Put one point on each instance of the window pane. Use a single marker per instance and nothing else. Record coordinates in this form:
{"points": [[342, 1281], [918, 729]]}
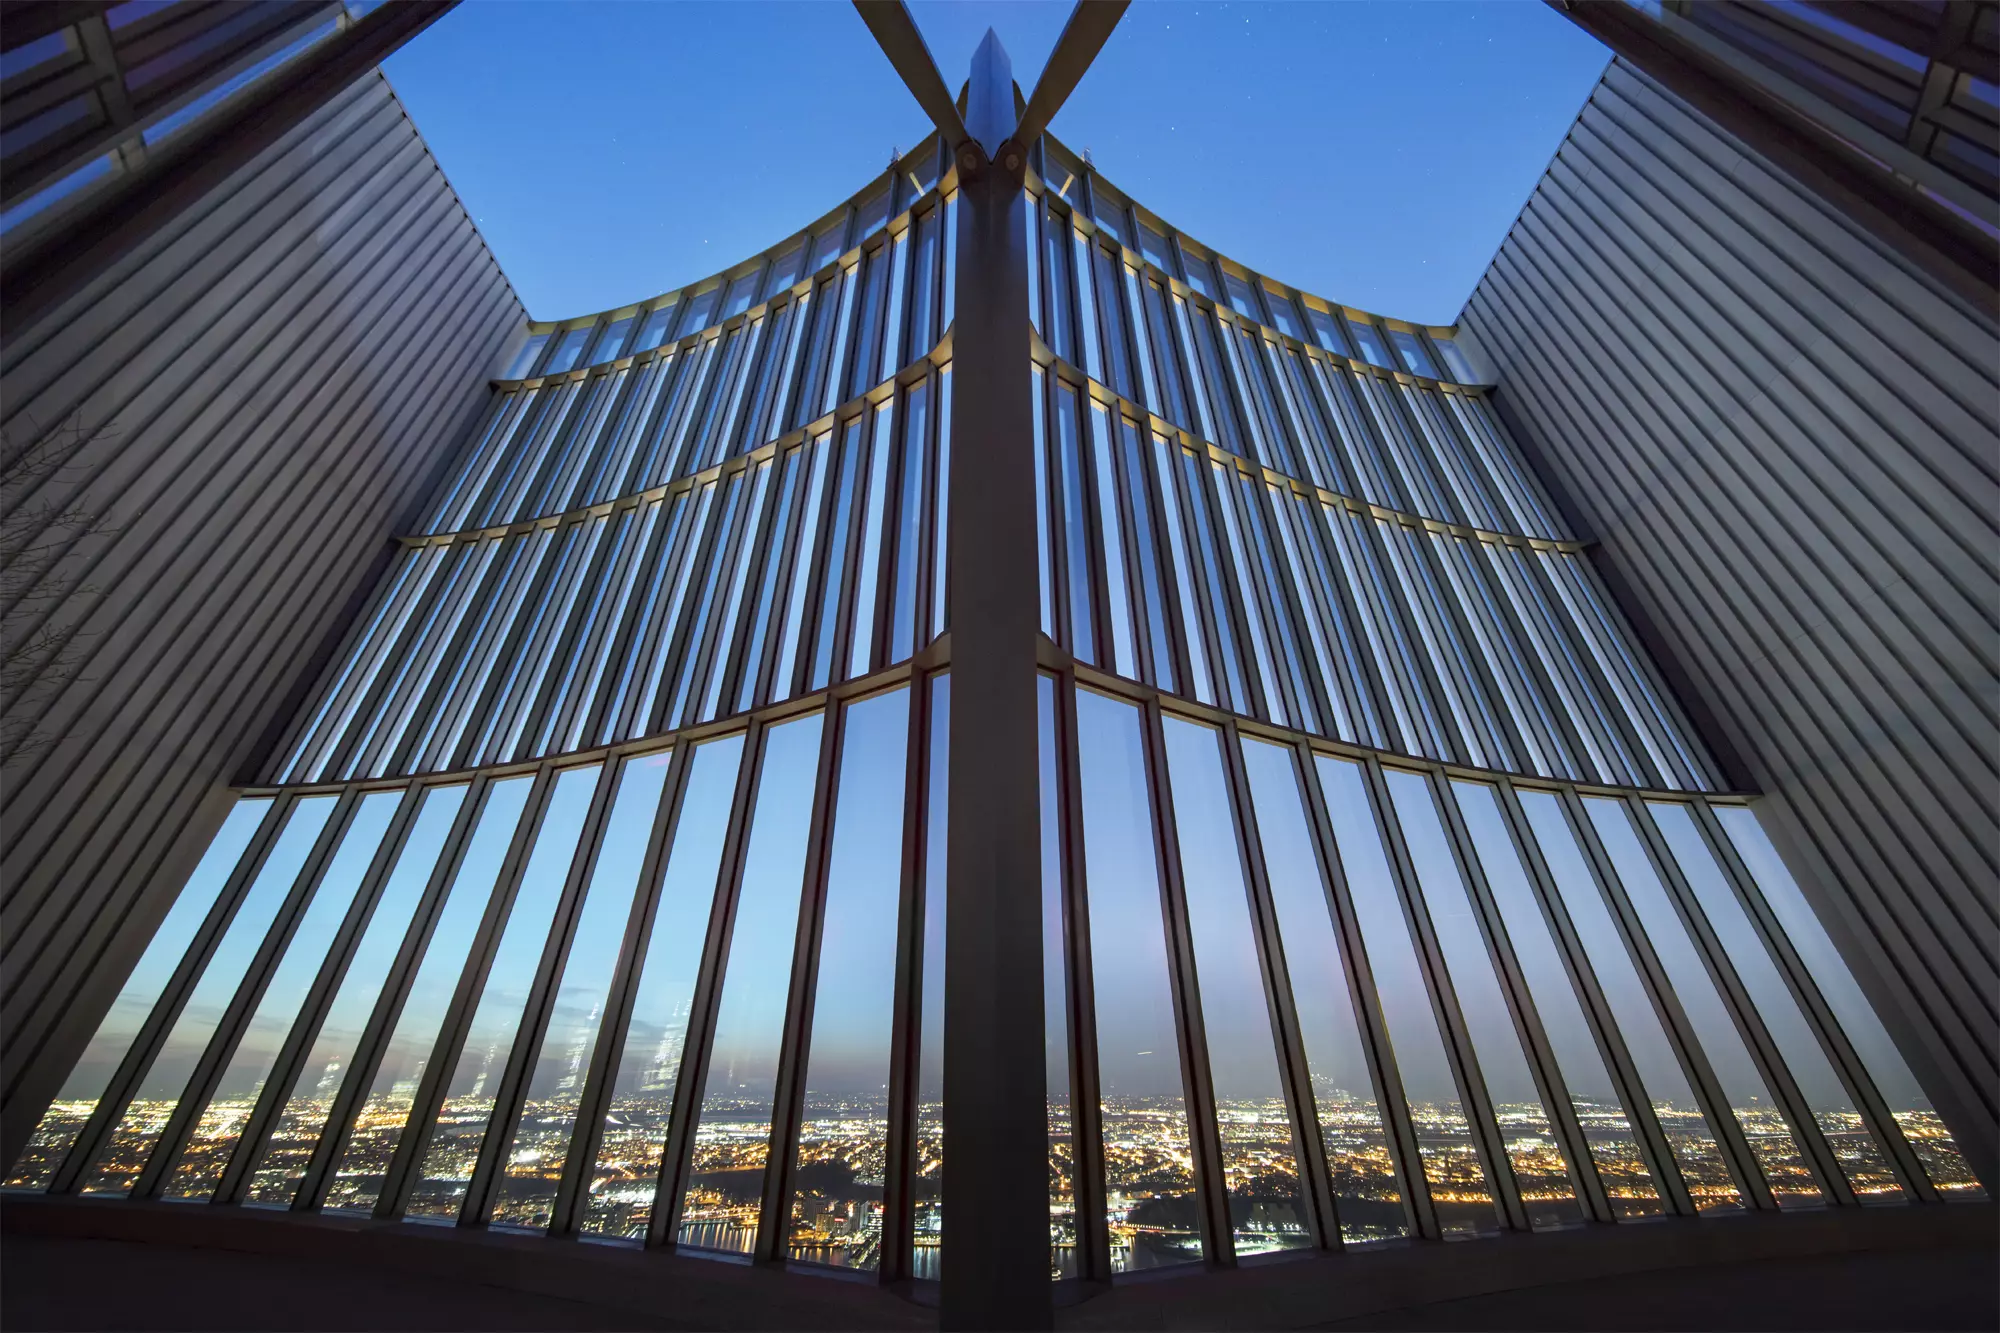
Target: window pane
{"points": [[1326, 327], [568, 352], [928, 1228], [1539, 1169], [1365, 1191], [379, 1124], [1369, 339], [524, 360], [474, 1084], [1414, 355], [626, 1174], [1592, 1096], [1064, 1260], [1118, 606], [1763, 1124], [910, 525], [138, 1130], [1260, 1158], [1149, 1195], [611, 342], [1457, 1181], [1894, 1082], [1859, 1155], [695, 312], [733, 1137], [277, 1175], [242, 1081], [844, 1132], [1076, 519], [534, 1161], [1282, 312], [1667, 1092], [79, 1094], [861, 648], [1455, 361]]}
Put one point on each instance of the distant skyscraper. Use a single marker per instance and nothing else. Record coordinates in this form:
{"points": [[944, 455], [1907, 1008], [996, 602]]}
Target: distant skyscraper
{"points": [[989, 740]]}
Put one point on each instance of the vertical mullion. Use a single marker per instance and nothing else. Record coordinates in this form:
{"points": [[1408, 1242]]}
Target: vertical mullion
{"points": [[1128, 492], [1145, 487], [663, 1223], [1847, 1063], [119, 1089], [1654, 1148], [795, 1051], [1293, 1068], [1417, 1203], [1290, 600], [606, 1052], [228, 1028], [1198, 1084], [757, 547], [527, 1044], [1764, 1050], [1086, 1097], [388, 1008], [1488, 697], [906, 1016], [1528, 1027], [398, 1180], [1735, 1147], [1476, 1105], [277, 1088]]}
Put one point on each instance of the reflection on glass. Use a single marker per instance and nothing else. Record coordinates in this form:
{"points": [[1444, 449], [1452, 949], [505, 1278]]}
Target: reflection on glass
{"points": [[474, 1084], [1540, 1172], [1452, 1169], [124, 1154], [79, 1094], [1614, 1149], [909, 527], [1366, 1195], [619, 1197], [843, 1149], [835, 562], [1063, 1254], [1260, 1159], [378, 1127], [732, 1138], [928, 1257], [534, 1161], [1673, 1104], [1076, 524], [1897, 1086], [1859, 1155], [1149, 1192], [1763, 1123], [275, 1178], [861, 650], [221, 1123], [1118, 608]]}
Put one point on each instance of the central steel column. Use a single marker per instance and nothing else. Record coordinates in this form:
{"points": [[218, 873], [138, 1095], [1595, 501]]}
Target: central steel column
{"points": [[996, 1173]]}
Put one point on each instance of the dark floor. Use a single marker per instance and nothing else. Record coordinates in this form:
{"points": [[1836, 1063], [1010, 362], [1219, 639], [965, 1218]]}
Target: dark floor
{"points": [[63, 1282], [1951, 1290], [57, 1282]]}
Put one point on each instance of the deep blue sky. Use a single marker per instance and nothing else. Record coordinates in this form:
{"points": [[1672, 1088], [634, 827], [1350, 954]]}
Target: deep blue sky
{"points": [[1370, 153]]}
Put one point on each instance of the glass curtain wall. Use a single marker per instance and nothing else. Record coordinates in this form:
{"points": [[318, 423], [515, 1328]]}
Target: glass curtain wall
{"points": [[598, 887]]}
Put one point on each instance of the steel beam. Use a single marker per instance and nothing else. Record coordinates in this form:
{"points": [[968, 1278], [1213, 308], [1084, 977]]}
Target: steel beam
{"points": [[889, 22], [1089, 27], [996, 1199]]}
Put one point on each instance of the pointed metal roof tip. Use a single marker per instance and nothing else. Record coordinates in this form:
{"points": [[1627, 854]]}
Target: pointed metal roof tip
{"points": [[989, 111]]}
